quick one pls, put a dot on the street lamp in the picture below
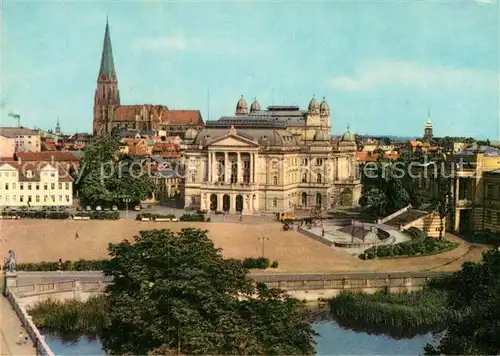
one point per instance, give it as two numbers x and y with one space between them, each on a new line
126 201
263 239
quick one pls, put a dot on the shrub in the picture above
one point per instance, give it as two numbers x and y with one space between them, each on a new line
419 245
38 214
274 264
155 216
192 217
208 219
80 265
256 263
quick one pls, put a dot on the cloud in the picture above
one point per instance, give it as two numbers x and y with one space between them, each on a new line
374 75
482 2
179 43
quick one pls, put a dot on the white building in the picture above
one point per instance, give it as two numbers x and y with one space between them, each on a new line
35 184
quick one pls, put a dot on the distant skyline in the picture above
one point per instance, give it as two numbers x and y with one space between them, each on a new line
381 65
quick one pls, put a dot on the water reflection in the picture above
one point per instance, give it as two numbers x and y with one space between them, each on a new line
332 340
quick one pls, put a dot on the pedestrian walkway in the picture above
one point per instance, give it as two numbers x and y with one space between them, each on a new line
10 327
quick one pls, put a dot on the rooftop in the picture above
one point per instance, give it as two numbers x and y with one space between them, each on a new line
17 131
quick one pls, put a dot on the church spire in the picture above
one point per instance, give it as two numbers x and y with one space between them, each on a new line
107 64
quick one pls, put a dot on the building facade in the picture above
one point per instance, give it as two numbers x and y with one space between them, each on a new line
428 132
268 161
110 116
23 139
34 184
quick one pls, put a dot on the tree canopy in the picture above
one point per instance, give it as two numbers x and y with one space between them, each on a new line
474 295
175 293
106 177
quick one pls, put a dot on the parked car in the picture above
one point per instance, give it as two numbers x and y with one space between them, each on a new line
137 208
98 208
114 208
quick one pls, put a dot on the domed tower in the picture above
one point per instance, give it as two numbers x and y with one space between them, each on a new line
190 134
324 109
241 107
313 107
348 141
255 106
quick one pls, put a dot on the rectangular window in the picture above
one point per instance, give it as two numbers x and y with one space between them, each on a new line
52 174
489 190
67 198
60 186
29 199
52 186
21 198
37 186
6 186
37 199
45 186
60 198
45 198
7 198
487 216
67 186
319 161
29 186
14 198
13 185
53 198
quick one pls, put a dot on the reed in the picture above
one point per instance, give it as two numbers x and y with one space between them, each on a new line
72 317
406 313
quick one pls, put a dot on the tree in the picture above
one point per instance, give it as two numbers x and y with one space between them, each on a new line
444 198
176 293
107 177
474 296
374 201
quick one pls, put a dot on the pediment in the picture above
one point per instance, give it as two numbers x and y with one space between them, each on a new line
7 167
232 141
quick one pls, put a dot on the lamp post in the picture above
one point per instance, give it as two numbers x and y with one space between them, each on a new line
126 201
263 239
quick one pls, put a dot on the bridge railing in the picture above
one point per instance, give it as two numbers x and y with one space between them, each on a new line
38 339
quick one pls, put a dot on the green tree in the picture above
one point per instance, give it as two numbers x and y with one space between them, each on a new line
474 296
106 177
176 292
374 201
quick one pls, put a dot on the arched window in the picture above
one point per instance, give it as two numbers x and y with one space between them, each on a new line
318 199
304 177
318 178
275 180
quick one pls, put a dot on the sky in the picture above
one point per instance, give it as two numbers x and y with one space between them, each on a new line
383 66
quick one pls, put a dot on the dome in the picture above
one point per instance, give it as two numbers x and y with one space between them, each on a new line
255 106
321 135
323 107
190 134
241 106
313 105
348 136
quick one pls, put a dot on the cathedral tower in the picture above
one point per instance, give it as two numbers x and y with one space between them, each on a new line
107 96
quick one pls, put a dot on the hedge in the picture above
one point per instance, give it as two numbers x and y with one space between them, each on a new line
256 263
193 217
155 216
80 265
39 214
419 245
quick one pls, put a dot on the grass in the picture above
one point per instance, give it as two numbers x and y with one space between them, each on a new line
73 317
399 314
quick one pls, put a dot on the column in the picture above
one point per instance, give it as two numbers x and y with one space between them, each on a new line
219 202
232 205
252 170
226 168
209 167
240 171
457 187
215 173
249 207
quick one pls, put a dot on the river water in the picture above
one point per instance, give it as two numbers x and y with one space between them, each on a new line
332 340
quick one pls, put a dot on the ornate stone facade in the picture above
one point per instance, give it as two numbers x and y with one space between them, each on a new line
269 160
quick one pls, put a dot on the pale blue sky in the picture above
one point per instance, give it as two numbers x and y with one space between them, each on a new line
380 64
